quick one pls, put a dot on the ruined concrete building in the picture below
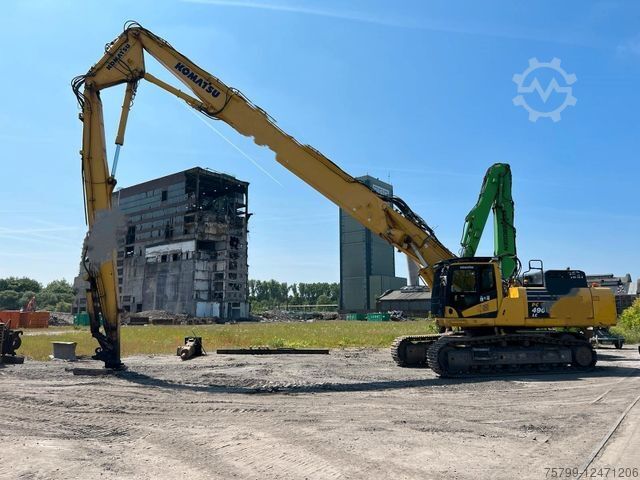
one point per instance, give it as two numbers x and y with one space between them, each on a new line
184 248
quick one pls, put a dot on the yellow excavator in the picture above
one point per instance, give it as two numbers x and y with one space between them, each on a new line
492 325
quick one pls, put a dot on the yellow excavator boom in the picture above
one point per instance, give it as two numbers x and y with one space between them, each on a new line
123 63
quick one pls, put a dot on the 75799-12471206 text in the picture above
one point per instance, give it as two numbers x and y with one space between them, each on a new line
592 472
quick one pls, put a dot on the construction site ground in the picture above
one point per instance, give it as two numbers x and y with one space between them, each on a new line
349 415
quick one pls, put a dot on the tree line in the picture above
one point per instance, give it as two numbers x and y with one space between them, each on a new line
58 295
271 293
15 293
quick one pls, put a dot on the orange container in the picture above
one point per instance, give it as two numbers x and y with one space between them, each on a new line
11 318
34 319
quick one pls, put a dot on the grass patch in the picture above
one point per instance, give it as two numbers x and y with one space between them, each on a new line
164 339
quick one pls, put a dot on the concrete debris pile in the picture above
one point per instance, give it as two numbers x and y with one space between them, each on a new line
293 316
160 317
60 319
397 315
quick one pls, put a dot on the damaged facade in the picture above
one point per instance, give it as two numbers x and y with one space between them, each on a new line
184 248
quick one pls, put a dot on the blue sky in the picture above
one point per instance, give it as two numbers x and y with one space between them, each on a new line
415 92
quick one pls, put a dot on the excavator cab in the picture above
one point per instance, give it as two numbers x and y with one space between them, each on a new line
466 287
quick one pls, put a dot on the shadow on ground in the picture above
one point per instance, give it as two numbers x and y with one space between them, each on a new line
617 358
382 385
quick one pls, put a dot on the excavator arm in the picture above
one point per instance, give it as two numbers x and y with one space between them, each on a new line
495 195
123 63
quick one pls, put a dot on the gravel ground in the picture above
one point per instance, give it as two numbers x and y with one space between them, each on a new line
349 415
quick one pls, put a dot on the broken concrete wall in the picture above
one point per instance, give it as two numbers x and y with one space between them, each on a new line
185 246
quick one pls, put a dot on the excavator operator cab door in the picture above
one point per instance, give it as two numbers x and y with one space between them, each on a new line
534 276
468 286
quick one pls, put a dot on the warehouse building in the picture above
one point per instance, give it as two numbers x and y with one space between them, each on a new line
367 262
184 248
412 301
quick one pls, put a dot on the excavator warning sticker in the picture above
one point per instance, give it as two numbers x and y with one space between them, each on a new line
538 310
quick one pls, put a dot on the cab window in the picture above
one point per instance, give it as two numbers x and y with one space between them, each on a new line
487 280
470 286
463 280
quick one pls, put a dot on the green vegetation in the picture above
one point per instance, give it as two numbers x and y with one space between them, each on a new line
629 323
266 294
15 293
165 339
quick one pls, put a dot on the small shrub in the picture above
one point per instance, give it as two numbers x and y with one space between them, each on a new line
629 323
630 318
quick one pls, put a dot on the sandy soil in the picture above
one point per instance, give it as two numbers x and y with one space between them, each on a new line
349 415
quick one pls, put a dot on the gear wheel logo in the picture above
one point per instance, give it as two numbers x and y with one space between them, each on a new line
528 83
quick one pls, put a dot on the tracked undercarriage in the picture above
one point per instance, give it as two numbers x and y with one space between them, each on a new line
466 353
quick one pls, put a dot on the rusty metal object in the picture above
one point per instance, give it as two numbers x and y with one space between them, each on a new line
192 348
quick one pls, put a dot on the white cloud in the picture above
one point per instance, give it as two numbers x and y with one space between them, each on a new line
630 47
320 12
514 32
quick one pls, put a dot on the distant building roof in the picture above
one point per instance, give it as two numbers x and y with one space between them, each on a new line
405 295
203 173
415 288
619 285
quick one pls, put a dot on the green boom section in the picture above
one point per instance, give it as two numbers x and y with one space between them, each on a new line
495 195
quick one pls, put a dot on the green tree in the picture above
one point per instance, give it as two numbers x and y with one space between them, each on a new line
630 318
323 300
9 300
294 297
251 286
46 300
26 297
264 294
63 307
56 293
270 293
16 292
59 286
23 284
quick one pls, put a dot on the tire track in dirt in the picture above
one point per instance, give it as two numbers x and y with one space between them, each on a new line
328 419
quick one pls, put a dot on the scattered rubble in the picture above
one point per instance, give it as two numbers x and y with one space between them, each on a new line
60 319
293 316
162 317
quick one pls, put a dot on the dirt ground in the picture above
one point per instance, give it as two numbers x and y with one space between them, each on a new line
349 415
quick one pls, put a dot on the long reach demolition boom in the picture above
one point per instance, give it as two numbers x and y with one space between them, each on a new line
499 324
123 63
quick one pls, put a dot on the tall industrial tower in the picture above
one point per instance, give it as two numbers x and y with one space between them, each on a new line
367 263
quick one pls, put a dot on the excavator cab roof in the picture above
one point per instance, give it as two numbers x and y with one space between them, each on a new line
473 260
